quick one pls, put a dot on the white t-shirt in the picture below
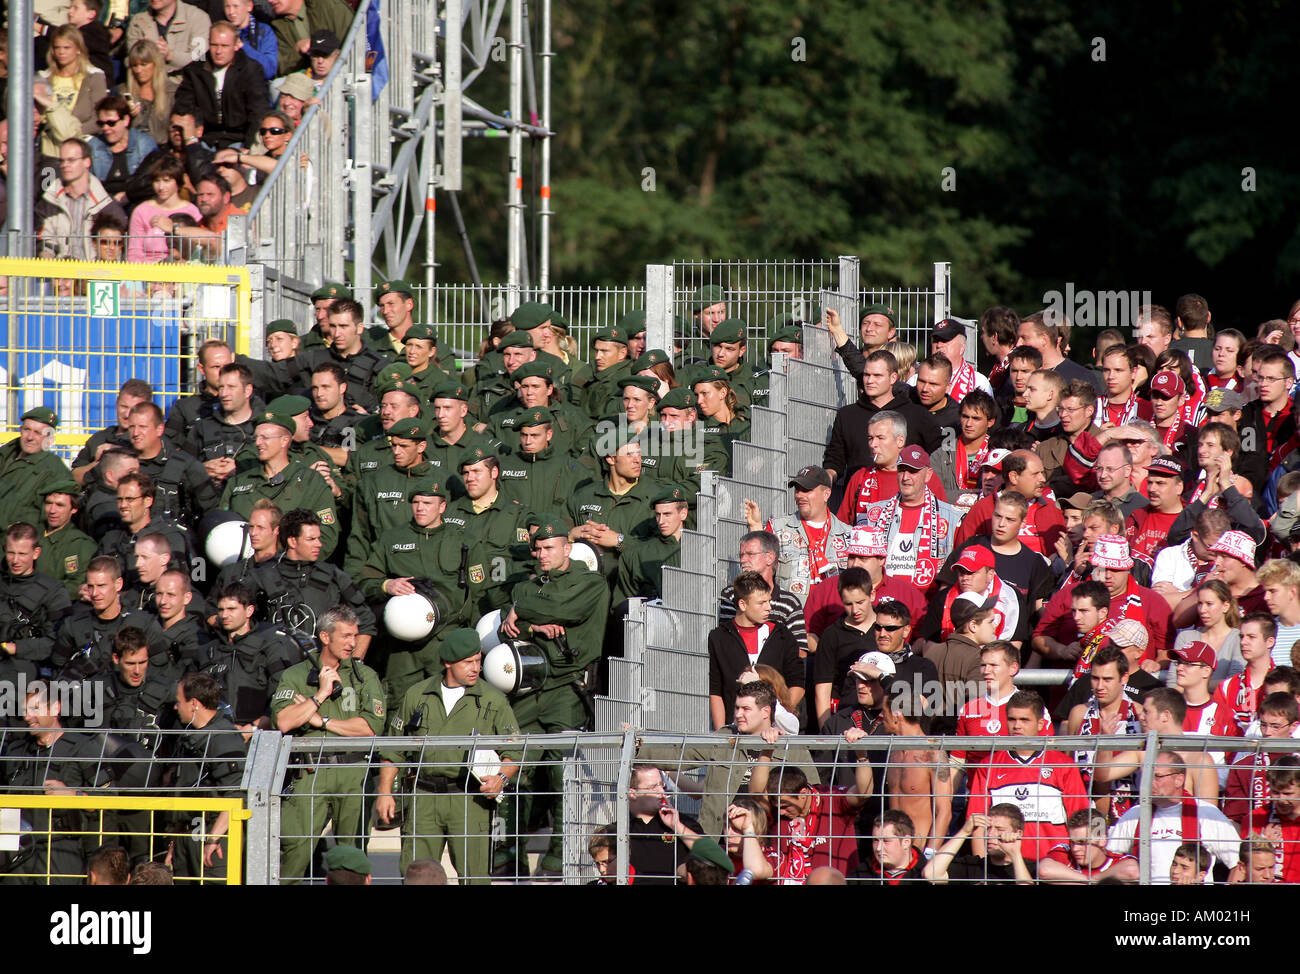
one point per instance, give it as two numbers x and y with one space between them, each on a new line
1218 835
1174 565
450 695
1286 638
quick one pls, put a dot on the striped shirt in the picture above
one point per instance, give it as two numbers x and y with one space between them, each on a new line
786 609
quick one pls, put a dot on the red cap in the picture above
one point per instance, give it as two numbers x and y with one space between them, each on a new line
1196 652
974 558
913 458
1168 383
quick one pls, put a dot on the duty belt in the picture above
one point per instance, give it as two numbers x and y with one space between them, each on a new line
440 785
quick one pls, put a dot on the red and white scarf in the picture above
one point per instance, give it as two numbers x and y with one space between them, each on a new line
964 381
1234 381
999 372
969 464
1127 412
926 568
1091 641
1123 792
868 493
1242 698
994 591
794 865
1172 433
1191 818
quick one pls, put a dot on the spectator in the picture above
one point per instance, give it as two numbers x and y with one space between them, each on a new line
1084 857
1241 691
759 552
816 826
1219 628
296 23
152 874
660 838
84 15
108 866
241 194
117 151
179 29
958 658
1247 788
322 54
148 243
746 640
843 644
257 38
76 86
108 236
918 526
204 240
747 842
895 858
72 204
812 540
225 92
296 93
1003 860
275 132
149 90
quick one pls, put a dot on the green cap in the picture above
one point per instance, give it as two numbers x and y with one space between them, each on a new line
782 319
790 333
608 445
394 372
43 414
349 858
386 385
679 398
68 487
408 429
475 455
289 405
559 321
707 296
633 323
530 315
459 644
683 326
284 325
516 339
538 518
424 332
730 330
450 390
429 487
710 373
276 419
649 359
647 382
535 369
330 291
672 492
706 850
394 287
541 416
551 527
879 309
611 335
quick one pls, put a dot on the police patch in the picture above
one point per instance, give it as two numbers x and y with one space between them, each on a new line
326 516
71 564
521 534
378 706
476 574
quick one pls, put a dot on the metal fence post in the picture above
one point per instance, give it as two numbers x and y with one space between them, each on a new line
620 801
942 290
257 311
1144 813
659 285
261 786
849 274
362 196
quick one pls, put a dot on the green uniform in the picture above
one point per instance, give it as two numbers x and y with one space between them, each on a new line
602 393
718 437
442 802
681 469
296 486
22 478
492 384
571 425
541 481
412 551
503 544
639 575
65 553
329 790
742 383
444 457
628 514
372 450
428 380
381 501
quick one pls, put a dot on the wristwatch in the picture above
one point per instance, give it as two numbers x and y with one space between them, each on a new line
324 723
619 544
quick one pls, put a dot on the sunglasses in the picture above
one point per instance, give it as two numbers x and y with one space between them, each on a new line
881 625
109 121
274 131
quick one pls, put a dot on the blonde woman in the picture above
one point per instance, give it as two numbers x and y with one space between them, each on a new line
75 84
905 352
149 90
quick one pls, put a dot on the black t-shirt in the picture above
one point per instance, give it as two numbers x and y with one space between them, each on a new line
116 179
839 648
1025 571
653 853
968 869
1199 350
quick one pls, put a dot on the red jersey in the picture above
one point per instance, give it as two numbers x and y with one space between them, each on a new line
1043 525
1061 853
826 836
1246 791
987 717
1211 718
1046 787
1135 602
1147 531
1121 414
1239 697
1287 861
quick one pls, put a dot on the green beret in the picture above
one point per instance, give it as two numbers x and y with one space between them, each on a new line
684 326
68 487
516 339
409 429
706 850
459 644
541 416
730 330
707 296
476 455
670 492
424 332
649 359
608 444
530 315
533 370
386 385
778 321
791 333
450 390
647 382
610 335
429 487
281 325
551 527
394 372
538 518
633 323
710 373
559 321
394 287
289 405
348 858
276 419
879 309
679 398
43 414
331 290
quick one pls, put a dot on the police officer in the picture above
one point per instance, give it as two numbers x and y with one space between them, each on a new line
382 496
27 465
306 704
787 338
347 347
708 310
447 801
727 345
535 475
281 372
290 483
719 409
299 588
212 356
132 393
211 765
451 436
180 617
640 395
494 520
542 325
333 421
600 384
135 501
50 760
247 660
223 439
318 336
397 401
396 304
640 572
420 352
535 386
264 535
183 490
633 325
301 446
86 637
609 511
135 698
564 611
32 604
493 384
423 550
65 550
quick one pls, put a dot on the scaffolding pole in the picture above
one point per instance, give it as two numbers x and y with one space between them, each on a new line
544 191
514 199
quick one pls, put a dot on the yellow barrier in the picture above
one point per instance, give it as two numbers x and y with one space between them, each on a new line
71 332
234 807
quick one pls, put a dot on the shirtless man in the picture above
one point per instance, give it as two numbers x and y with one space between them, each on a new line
918 781
1163 711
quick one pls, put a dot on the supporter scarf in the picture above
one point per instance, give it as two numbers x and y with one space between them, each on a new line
893 877
1174 432
925 570
1091 642
993 591
1129 413
1123 792
1259 781
867 492
1234 381
999 372
1242 698
1191 818
968 465
1271 427
963 382
793 867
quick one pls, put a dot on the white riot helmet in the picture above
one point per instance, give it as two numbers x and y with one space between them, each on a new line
585 553
228 542
515 668
410 617
486 627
